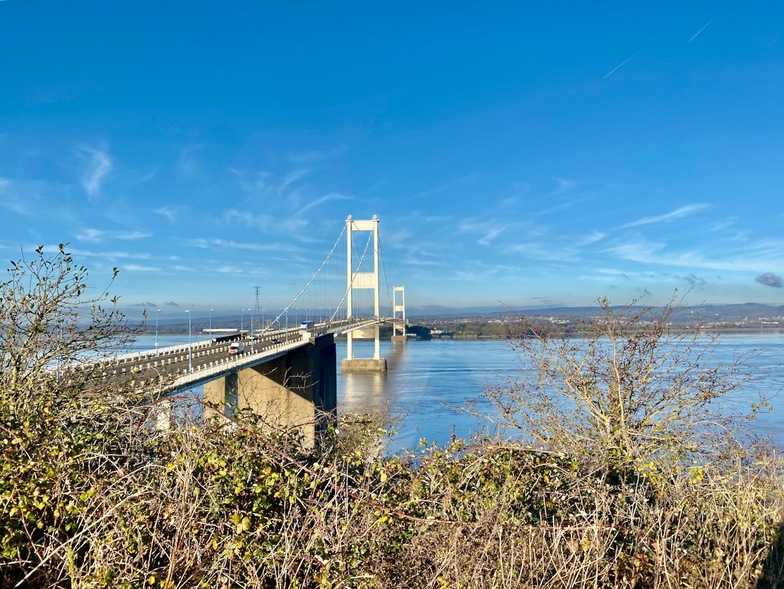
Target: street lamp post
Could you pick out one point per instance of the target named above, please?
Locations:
(251, 332)
(156, 330)
(211, 322)
(242, 321)
(190, 347)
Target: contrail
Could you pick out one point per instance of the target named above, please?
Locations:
(616, 68)
(705, 26)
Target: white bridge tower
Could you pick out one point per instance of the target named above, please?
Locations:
(362, 280)
(399, 314)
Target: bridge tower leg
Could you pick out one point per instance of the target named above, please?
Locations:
(399, 314)
(362, 280)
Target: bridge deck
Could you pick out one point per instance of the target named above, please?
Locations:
(182, 367)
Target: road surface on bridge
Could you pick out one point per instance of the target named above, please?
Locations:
(185, 366)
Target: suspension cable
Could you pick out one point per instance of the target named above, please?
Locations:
(313, 278)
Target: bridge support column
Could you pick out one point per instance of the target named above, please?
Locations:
(362, 281)
(399, 314)
(295, 391)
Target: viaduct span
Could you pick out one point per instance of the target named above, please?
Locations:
(288, 375)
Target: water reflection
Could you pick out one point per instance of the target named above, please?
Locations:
(429, 384)
(368, 392)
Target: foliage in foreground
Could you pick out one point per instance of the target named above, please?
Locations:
(91, 495)
(233, 506)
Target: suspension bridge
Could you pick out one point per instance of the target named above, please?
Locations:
(286, 373)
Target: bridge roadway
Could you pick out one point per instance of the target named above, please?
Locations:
(182, 367)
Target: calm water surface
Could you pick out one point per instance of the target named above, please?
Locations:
(429, 384)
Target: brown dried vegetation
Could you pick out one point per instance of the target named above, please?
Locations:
(626, 491)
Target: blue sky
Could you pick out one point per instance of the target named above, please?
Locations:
(525, 154)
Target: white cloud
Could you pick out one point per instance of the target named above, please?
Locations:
(591, 238)
(147, 177)
(255, 247)
(291, 178)
(564, 185)
(9, 198)
(168, 212)
(99, 235)
(466, 180)
(490, 235)
(252, 184)
(293, 226)
(102, 256)
(264, 222)
(131, 235)
(676, 214)
(97, 166)
(543, 251)
(316, 155)
(139, 268)
(420, 262)
(188, 164)
(756, 258)
(323, 199)
(91, 235)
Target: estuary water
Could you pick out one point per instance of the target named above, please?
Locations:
(429, 384)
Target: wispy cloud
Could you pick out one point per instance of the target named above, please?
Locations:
(408, 261)
(255, 247)
(252, 183)
(303, 157)
(130, 235)
(90, 235)
(757, 257)
(323, 199)
(188, 164)
(96, 166)
(544, 251)
(290, 179)
(291, 226)
(563, 185)
(168, 212)
(10, 200)
(98, 255)
(488, 230)
(99, 235)
(147, 177)
(705, 26)
(617, 67)
(456, 183)
(274, 189)
(591, 238)
(139, 268)
(263, 221)
(722, 224)
(676, 214)
(489, 237)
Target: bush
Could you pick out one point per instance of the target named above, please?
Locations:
(91, 495)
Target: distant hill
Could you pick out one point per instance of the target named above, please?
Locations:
(734, 312)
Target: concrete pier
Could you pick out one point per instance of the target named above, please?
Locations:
(297, 390)
(363, 365)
